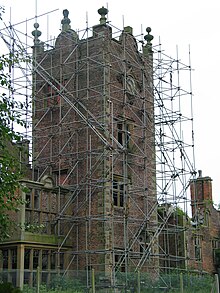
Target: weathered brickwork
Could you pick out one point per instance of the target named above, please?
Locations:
(94, 135)
(206, 227)
(192, 243)
(91, 202)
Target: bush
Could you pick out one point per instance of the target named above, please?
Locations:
(44, 289)
(9, 288)
(66, 283)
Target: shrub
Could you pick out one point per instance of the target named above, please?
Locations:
(9, 288)
(44, 289)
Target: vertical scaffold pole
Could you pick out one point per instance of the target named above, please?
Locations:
(139, 282)
(181, 283)
(38, 280)
(93, 281)
(217, 283)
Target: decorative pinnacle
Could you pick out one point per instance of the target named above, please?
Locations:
(65, 21)
(148, 37)
(103, 11)
(36, 34)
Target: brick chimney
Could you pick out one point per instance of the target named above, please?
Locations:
(200, 192)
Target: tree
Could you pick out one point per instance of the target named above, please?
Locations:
(10, 115)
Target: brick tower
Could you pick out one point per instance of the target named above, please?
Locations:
(93, 133)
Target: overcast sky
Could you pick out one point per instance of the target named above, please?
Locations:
(182, 23)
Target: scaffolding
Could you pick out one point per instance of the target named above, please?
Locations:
(111, 123)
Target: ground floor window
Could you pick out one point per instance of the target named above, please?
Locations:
(8, 261)
(47, 260)
(8, 258)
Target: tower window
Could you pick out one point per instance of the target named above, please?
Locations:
(118, 188)
(120, 133)
(197, 247)
(124, 134)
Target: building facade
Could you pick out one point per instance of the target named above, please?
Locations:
(204, 239)
(192, 242)
(92, 200)
(90, 194)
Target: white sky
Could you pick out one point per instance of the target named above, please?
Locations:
(176, 22)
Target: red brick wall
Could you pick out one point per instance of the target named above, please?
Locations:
(208, 229)
(94, 75)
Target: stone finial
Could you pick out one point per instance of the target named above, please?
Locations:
(66, 31)
(36, 34)
(103, 11)
(148, 37)
(65, 21)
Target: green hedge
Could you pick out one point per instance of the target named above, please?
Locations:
(9, 288)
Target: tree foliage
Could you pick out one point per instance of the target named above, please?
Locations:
(10, 115)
